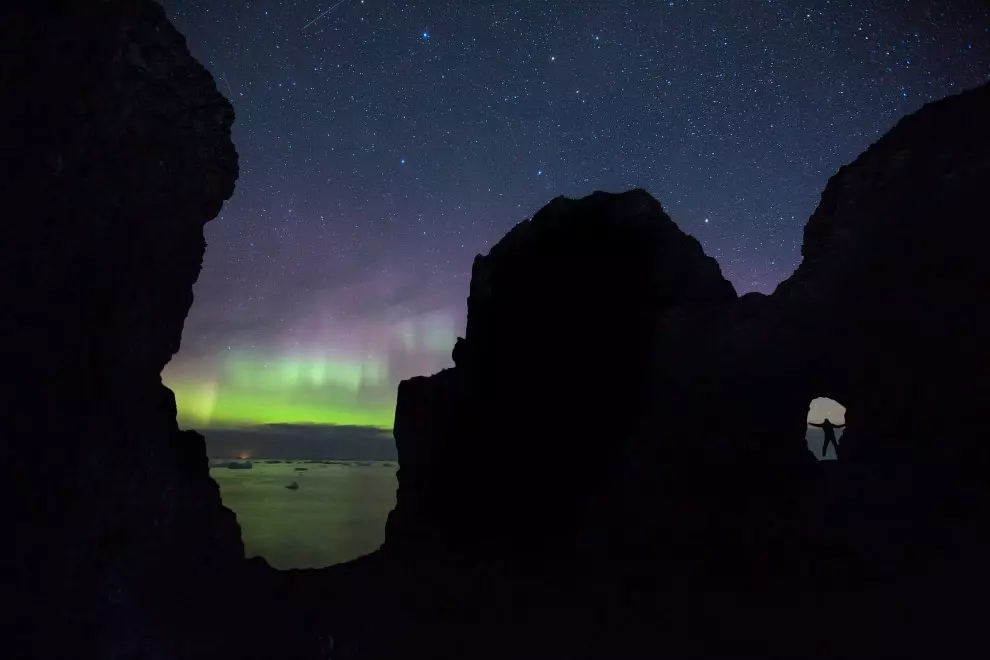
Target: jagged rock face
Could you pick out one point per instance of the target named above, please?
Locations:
(617, 419)
(893, 270)
(718, 534)
(551, 375)
(711, 489)
(888, 301)
(715, 471)
(117, 152)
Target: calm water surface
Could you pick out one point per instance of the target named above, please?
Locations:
(338, 512)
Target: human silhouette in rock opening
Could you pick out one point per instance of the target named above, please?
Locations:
(829, 429)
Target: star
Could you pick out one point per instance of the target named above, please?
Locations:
(324, 234)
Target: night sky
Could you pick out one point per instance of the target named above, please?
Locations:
(384, 144)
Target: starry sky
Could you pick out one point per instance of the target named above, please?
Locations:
(383, 144)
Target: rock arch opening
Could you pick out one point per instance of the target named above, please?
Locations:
(826, 422)
(305, 502)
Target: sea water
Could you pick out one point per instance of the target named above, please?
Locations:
(336, 514)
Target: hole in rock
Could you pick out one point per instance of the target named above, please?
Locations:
(826, 422)
(311, 480)
(305, 512)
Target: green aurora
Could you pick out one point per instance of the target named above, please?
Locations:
(329, 367)
(253, 389)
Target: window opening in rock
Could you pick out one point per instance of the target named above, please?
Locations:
(309, 509)
(826, 422)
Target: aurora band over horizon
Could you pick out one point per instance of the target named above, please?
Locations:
(309, 384)
(253, 389)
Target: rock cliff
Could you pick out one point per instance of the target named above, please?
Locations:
(618, 412)
(551, 375)
(117, 151)
(887, 303)
(615, 466)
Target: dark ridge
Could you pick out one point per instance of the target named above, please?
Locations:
(659, 499)
(117, 151)
(668, 504)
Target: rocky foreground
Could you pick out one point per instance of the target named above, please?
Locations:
(685, 517)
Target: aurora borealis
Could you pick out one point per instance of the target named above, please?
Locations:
(343, 385)
(383, 144)
(259, 390)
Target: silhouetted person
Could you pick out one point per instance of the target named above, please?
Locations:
(829, 429)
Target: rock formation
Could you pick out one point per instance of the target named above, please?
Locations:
(887, 302)
(551, 374)
(615, 464)
(117, 151)
(607, 414)
(618, 411)
(884, 294)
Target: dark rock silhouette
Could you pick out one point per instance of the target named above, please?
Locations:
(571, 299)
(293, 486)
(883, 301)
(595, 348)
(614, 467)
(700, 525)
(241, 465)
(117, 151)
